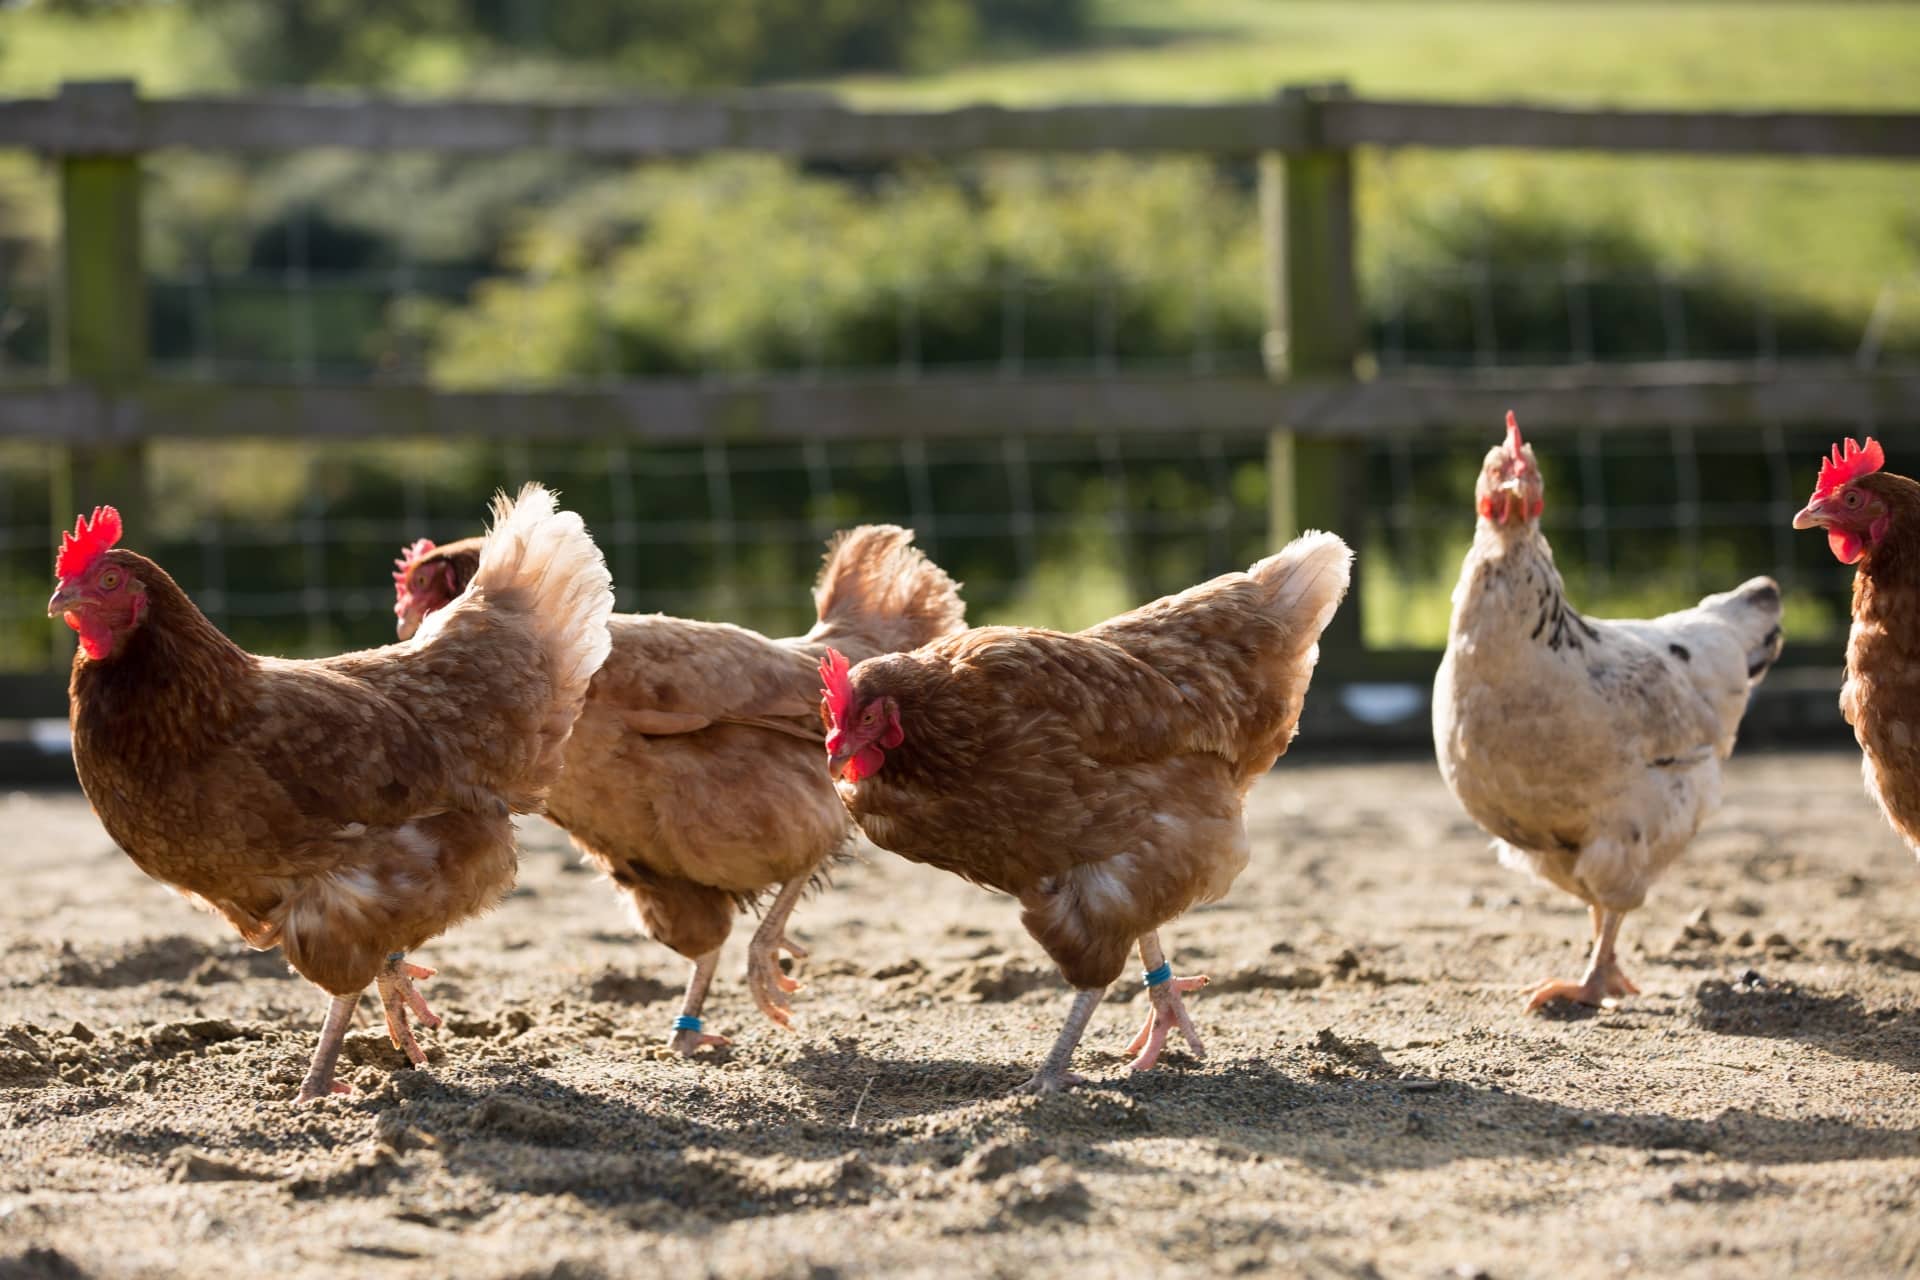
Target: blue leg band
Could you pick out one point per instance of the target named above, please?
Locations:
(1154, 977)
(395, 957)
(687, 1022)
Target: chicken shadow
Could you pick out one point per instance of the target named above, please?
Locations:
(1346, 1126)
(1839, 1023)
(680, 1154)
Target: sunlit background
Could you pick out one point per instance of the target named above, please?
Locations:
(552, 270)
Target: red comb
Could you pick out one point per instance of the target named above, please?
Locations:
(1843, 468)
(87, 543)
(409, 557)
(839, 690)
(1514, 443)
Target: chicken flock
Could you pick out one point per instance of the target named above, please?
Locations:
(350, 809)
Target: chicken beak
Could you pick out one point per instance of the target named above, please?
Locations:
(1514, 496)
(65, 598)
(837, 763)
(1809, 517)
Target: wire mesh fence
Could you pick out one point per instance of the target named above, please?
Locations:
(1013, 267)
(288, 547)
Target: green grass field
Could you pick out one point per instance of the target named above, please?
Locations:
(1715, 54)
(1836, 232)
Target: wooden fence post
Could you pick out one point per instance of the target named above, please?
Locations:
(100, 304)
(1313, 330)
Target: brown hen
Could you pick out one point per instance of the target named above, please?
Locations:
(1872, 519)
(348, 809)
(1098, 777)
(695, 778)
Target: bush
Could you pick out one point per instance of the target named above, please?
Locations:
(742, 265)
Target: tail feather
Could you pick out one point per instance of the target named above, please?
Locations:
(878, 593)
(1752, 610)
(1244, 645)
(540, 563)
(1308, 578)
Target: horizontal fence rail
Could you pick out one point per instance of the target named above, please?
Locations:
(1319, 412)
(108, 118)
(682, 411)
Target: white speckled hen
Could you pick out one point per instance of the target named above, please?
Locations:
(1591, 750)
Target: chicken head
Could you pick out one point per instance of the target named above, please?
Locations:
(1509, 492)
(98, 593)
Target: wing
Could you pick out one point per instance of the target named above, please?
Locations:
(475, 700)
(1113, 706)
(1650, 695)
(672, 675)
(374, 739)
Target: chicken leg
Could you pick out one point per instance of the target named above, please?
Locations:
(689, 1033)
(1604, 982)
(765, 979)
(1168, 1011)
(326, 1055)
(1053, 1075)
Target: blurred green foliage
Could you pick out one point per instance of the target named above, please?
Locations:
(665, 43)
(537, 269)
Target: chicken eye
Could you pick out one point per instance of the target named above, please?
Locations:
(110, 580)
(868, 717)
(1851, 500)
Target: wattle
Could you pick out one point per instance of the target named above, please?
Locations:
(865, 763)
(1847, 547)
(95, 641)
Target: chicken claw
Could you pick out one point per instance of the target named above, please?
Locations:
(1600, 988)
(1043, 1082)
(397, 997)
(1168, 1011)
(769, 984)
(688, 1041)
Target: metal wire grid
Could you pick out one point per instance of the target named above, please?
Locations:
(311, 577)
(735, 533)
(714, 531)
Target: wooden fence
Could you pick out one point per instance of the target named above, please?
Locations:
(100, 408)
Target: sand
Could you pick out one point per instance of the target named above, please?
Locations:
(1373, 1102)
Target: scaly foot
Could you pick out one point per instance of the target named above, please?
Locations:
(767, 981)
(1168, 1011)
(1044, 1082)
(398, 997)
(690, 1036)
(688, 1043)
(1601, 988)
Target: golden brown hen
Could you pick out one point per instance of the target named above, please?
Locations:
(1098, 777)
(1872, 519)
(695, 778)
(346, 809)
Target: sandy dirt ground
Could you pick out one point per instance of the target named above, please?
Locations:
(1373, 1103)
